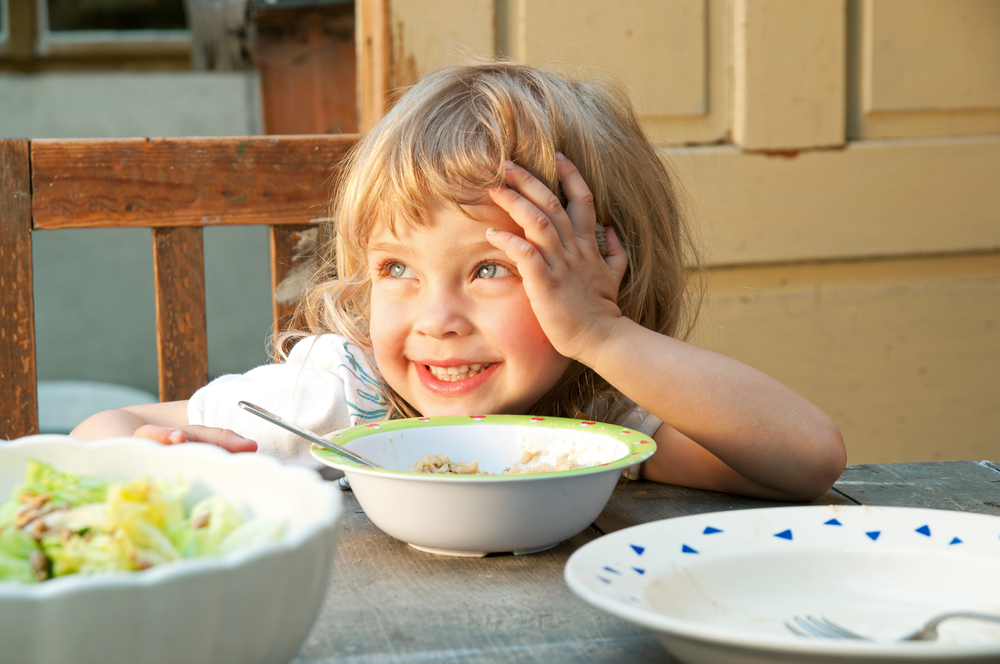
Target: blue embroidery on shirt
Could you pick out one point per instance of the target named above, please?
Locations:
(371, 406)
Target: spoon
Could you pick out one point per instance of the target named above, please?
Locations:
(305, 433)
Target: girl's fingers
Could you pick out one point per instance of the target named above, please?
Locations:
(616, 258)
(161, 434)
(535, 204)
(579, 198)
(524, 254)
(224, 438)
(538, 229)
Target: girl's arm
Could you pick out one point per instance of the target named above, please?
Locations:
(727, 427)
(165, 423)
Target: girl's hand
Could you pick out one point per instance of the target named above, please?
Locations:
(166, 423)
(224, 438)
(572, 288)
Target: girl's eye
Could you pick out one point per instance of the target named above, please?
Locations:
(492, 271)
(398, 270)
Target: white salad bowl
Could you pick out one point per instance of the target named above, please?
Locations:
(253, 604)
(472, 515)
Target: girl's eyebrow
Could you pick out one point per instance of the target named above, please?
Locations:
(479, 247)
(391, 247)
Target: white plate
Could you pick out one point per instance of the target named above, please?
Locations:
(718, 587)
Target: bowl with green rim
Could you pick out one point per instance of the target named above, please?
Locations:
(498, 512)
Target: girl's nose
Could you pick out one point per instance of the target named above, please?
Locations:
(442, 313)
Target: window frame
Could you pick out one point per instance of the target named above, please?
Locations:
(4, 26)
(105, 42)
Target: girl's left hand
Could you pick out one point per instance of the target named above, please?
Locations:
(573, 290)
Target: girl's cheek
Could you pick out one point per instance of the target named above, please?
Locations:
(521, 330)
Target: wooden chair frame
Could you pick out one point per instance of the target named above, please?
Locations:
(175, 187)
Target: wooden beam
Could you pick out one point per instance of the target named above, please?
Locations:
(166, 182)
(374, 61)
(181, 331)
(306, 61)
(18, 373)
(871, 198)
(22, 29)
(789, 77)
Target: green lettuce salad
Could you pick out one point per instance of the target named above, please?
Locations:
(57, 523)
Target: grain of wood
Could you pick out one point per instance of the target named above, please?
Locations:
(168, 182)
(965, 486)
(389, 603)
(181, 332)
(18, 373)
(789, 74)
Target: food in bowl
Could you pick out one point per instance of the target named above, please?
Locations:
(491, 512)
(440, 463)
(60, 523)
(253, 605)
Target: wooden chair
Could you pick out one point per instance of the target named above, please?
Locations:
(174, 187)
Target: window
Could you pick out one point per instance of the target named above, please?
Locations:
(68, 27)
(4, 22)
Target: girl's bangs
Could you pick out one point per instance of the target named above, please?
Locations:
(451, 172)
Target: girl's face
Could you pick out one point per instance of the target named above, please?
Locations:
(451, 326)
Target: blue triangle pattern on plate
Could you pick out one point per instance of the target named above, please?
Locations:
(924, 530)
(873, 534)
(639, 570)
(637, 549)
(686, 549)
(955, 541)
(603, 579)
(612, 570)
(832, 522)
(784, 534)
(709, 530)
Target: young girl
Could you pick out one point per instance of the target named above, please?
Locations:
(506, 240)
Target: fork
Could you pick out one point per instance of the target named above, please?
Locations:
(827, 629)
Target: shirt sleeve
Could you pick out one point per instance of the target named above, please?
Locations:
(626, 413)
(307, 389)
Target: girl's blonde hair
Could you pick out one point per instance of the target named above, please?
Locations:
(447, 139)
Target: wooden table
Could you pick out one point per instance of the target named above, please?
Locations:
(389, 603)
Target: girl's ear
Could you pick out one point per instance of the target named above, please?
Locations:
(602, 239)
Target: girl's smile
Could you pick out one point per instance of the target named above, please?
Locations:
(452, 329)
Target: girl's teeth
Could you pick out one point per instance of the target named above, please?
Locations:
(452, 374)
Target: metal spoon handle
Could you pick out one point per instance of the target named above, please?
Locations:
(305, 433)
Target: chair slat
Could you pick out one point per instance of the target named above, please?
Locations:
(167, 182)
(181, 331)
(18, 370)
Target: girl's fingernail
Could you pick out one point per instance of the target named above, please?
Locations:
(508, 165)
(560, 156)
(491, 231)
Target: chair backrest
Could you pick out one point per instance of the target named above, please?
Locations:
(174, 187)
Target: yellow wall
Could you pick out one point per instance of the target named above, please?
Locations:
(842, 160)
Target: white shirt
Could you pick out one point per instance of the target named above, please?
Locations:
(325, 385)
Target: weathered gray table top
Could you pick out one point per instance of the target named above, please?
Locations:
(390, 603)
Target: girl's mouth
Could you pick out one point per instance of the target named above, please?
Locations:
(456, 380)
(459, 373)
